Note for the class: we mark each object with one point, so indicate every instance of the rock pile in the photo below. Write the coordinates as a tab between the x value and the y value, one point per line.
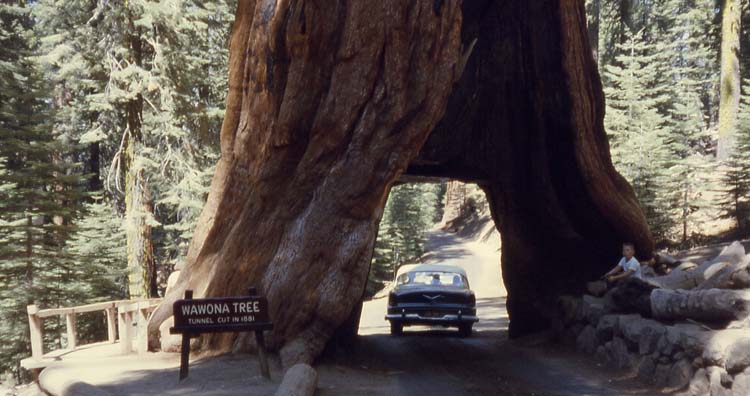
682	354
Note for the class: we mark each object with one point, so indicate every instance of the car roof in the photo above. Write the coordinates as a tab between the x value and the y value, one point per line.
429	268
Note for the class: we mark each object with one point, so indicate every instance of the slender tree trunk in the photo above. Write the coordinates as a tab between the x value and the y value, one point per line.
139	213
29	260
729	99
593	9
93	165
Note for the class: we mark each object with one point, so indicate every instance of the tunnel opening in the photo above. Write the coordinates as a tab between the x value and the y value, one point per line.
430	222
505	94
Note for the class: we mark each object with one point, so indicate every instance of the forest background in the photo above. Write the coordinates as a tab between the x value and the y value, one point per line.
109	132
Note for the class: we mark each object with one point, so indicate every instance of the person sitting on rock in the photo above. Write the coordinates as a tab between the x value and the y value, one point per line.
627	267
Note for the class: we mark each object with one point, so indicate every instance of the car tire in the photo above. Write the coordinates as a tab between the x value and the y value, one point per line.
397	328
464	330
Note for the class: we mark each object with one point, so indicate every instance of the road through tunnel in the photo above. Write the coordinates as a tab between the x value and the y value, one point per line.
331	104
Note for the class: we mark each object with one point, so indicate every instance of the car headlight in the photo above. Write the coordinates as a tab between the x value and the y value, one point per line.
391	299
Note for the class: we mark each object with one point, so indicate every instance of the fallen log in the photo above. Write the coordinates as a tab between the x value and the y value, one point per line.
706	305
735	276
688	276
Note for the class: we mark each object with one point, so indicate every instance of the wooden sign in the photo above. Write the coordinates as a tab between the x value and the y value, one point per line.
214	315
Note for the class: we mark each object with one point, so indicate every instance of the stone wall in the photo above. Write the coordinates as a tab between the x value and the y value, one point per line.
686	357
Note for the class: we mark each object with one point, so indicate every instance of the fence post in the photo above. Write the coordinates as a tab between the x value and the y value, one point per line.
142	318
111	320
35	328
125	325
70	325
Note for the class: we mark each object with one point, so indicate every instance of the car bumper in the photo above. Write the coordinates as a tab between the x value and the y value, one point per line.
447	319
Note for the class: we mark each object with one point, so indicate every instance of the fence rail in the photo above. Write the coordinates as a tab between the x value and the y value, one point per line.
122	316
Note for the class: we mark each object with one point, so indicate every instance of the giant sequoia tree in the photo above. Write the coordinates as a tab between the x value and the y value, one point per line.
330	102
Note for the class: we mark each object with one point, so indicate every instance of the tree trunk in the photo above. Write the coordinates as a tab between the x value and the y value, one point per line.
688	275
532	129
729	98
593	9
708	305
139	211
734	276
328	104
455	198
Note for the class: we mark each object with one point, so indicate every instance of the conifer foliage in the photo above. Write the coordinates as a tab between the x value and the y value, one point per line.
109	122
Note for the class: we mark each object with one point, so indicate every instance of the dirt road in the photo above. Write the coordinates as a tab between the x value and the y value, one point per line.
427	361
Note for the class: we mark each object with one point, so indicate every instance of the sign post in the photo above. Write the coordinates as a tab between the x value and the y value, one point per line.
215	315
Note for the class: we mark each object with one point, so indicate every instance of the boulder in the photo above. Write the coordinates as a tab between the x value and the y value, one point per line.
169	342
661	374
646	368
596	288
586	341
619	354
741	384
592	309
721	343
634	330
737	356
649	338
699	385
716	388
664	347
680	374
606	328
693	342
299	380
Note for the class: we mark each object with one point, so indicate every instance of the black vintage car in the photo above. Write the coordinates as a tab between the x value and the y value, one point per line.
428	294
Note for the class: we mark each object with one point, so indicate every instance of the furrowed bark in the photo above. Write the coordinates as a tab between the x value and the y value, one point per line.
708	305
729	90
328	102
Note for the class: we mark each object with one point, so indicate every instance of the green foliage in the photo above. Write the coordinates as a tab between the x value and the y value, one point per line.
411	210
660	76
736	178
169	59
70	72
637	128
39	190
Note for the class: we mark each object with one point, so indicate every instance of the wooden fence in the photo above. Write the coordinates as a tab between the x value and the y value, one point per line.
122	316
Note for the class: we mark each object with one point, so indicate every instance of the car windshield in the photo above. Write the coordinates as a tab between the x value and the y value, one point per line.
433	278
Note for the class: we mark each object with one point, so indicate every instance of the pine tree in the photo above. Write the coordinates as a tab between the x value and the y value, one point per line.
151	102
411	210
688	139
39	194
637	128
736	179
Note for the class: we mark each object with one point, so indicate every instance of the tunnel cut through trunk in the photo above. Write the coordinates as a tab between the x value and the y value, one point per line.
331	102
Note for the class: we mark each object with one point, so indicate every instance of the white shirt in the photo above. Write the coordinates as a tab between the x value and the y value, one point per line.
631	264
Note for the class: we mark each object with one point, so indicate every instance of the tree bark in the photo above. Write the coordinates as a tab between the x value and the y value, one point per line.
329	103
729	92
532	129
139	211
593	9
708	305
